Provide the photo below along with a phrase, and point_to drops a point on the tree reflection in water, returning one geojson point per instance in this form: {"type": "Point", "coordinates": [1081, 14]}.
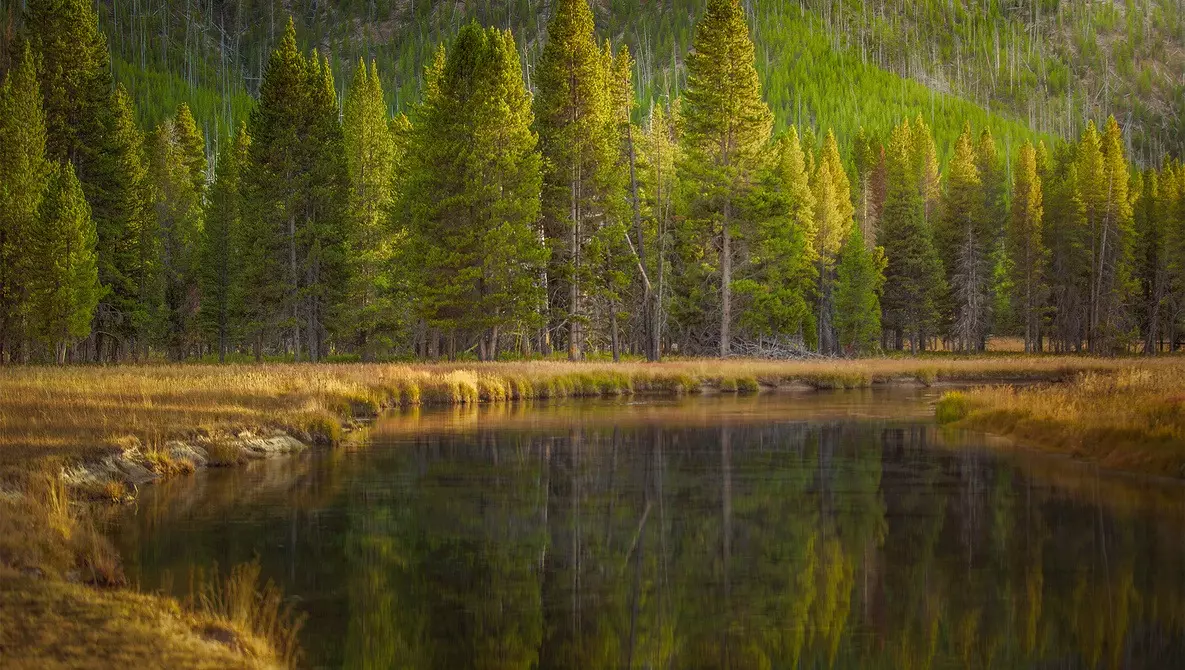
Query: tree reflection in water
{"type": "Point", "coordinates": [772, 536]}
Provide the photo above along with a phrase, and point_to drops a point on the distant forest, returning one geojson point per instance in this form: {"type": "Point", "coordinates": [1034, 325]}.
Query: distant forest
{"type": "Point", "coordinates": [516, 179]}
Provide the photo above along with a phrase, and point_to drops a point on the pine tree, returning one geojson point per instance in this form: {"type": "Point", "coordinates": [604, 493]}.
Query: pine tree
{"type": "Point", "coordinates": [297, 188]}
{"type": "Point", "coordinates": [129, 312]}
{"type": "Point", "coordinates": [24, 173]}
{"type": "Point", "coordinates": [1026, 244]}
{"type": "Point", "coordinates": [963, 248]}
{"type": "Point", "coordinates": [914, 281]}
{"type": "Point", "coordinates": [327, 224]}
{"type": "Point", "coordinates": [221, 254]}
{"type": "Point", "coordinates": [1114, 247]}
{"type": "Point", "coordinates": [178, 167]}
{"type": "Point", "coordinates": [859, 282]}
{"type": "Point", "coordinates": [66, 287]}
{"type": "Point", "coordinates": [1151, 262]}
{"type": "Point", "coordinates": [660, 155]}
{"type": "Point", "coordinates": [866, 157]}
{"type": "Point", "coordinates": [571, 109]}
{"type": "Point", "coordinates": [990, 232]}
{"type": "Point", "coordinates": [781, 273]}
{"type": "Point", "coordinates": [727, 129]}
{"type": "Point", "coordinates": [370, 158]}
{"type": "Point", "coordinates": [1068, 240]}
{"type": "Point", "coordinates": [76, 84]}
{"type": "Point", "coordinates": [474, 188]}
{"type": "Point", "coordinates": [833, 219]}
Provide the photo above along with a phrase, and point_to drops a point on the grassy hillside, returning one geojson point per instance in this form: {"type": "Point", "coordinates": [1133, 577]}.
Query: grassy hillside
{"type": "Point", "coordinates": [1021, 67]}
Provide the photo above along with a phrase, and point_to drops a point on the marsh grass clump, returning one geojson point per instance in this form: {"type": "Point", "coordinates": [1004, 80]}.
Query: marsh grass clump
{"type": "Point", "coordinates": [1132, 418]}
{"type": "Point", "coordinates": [953, 406]}
{"type": "Point", "coordinates": [225, 453]}
{"type": "Point", "coordinates": [243, 607]}
{"type": "Point", "coordinates": [747, 385]}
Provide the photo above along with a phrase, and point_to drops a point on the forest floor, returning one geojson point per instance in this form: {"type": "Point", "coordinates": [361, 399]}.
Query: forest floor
{"type": "Point", "coordinates": [75, 438]}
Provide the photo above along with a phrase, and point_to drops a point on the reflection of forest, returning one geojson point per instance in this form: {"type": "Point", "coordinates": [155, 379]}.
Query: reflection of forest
{"type": "Point", "coordinates": [761, 545]}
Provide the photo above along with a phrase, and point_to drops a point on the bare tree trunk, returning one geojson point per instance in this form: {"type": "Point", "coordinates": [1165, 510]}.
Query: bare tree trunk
{"type": "Point", "coordinates": [726, 282]}
{"type": "Point", "coordinates": [295, 287]}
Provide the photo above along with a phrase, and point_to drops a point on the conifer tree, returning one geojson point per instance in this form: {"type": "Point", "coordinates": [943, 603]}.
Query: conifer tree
{"type": "Point", "coordinates": [221, 254]}
{"type": "Point", "coordinates": [833, 219]}
{"type": "Point", "coordinates": [1151, 262]}
{"type": "Point", "coordinates": [571, 116]}
{"type": "Point", "coordinates": [914, 281]}
{"type": "Point", "coordinates": [128, 247]}
{"type": "Point", "coordinates": [660, 156]}
{"type": "Point", "coordinates": [727, 127]}
{"type": "Point", "coordinates": [781, 271]}
{"type": "Point", "coordinates": [75, 76]}
{"type": "Point", "coordinates": [66, 286]}
{"type": "Point", "coordinates": [991, 234]}
{"type": "Point", "coordinates": [1068, 240]}
{"type": "Point", "coordinates": [859, 282]}
{"type": "Point", "coordinates": [964, 247]}
{"type": "Point", "coordinates": [297, 199]}
{"type": "Point", "coordinates": [868, 199]}
{"type": "Point", "coordinates": [925, 165]}
{"type": "Point", "coordinates": [474, 188]}
{"type": "Point", "coordinates": [370, 158]}
{"type": "Point", "coordinates": [1026, 244]}
{"type": "Point", "coordinates": [178, 167]}
{"type": "Point", "coordinates": [1114, 244]}
{"type": "Point", "coordinates": [24, 173]}
{"type": "Point", "coordinates": [327, 224]}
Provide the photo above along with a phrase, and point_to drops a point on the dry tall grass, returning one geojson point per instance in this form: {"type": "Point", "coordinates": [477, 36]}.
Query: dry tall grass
{"type": "Point", "coordinates": [1132, 418]}
{"type": "Point", "coordinates": [82, 412]}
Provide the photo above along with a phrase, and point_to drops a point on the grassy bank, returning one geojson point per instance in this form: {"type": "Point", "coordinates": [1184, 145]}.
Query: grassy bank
{"type": "Point", "coordinates": [60, 601]}
{"type": "Point", "coordinates": [63, 415]}
{"type": "Point", "coordinates": [1130, 419]}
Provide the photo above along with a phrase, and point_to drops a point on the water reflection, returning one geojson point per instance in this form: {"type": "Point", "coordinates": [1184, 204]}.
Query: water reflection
{"type": "Point", "coordinates": [709, 534]}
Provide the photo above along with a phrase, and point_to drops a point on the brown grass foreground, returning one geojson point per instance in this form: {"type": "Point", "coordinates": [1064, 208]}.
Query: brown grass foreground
{"type": "Point", "coordinates": [1132, 418]}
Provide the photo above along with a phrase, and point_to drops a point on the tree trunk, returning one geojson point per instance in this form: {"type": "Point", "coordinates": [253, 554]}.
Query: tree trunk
{"type": "Point", "coordinates": [726, 282]}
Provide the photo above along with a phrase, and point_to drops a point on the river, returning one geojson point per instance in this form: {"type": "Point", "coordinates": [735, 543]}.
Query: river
{"type": "Point", "coordinates": [812, 529]}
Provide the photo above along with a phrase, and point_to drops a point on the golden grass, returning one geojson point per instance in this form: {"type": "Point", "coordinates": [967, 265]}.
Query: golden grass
{"type": "Point", "coordinates": [52, 624]}
{"type": "Point", "coordinates": [1132, 418]}
{"type": "Point", "coordinates": [76, 413]}
{"type": "Point", "coordinates": [57, 609]}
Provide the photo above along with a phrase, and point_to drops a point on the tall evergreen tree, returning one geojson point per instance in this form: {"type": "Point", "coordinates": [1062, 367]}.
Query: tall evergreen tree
{"type": "Point", "coordinates": [833, 222]}
{"type": "Point", "coordinates": [914, 281]}
{"type": "Point", "coordinates": [727, 127]}
{"type": "Point", "coordinates": [964, 247]}
{"type": "Point", "coordinates": [1068, 240]}
{"type": "Point", "coordinates": [571, 117]}
{"type": "Point", "coordinates": [370, 158]}
{"type": "Point", "coordinates": [1026, 244]}
{"type": "Point", "coordinates": [859, 282]}
{"type": "Point", "coordinates": [776, 285]}
{"type": "Point", "coordinates": [178, 168]}
{"type": "Point", "coordinates": [66, 286]}
{"type": "Point", "coordinates": [221, 254]}
{"type": "Point", "coordinates": [129, 311]}
{"type": "Point", "coordinates": [24, 172]}
{"type": "Point", "coordinates": [475, 181]}
{"type": "Point", "coordinates": [1151, 262]}
{"type": "Point", "coordinates": [660, 154]}
{"type": "Point", "coordinates": [73, 67]}
{"type": "Point", "coordinates": [296, 202]}
{"type": "Point", "coordinates": [1110, 217]}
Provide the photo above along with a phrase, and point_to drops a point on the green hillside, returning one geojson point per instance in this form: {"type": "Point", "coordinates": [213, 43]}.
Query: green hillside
{"type": "Point", "coordinates": [1007, 64]}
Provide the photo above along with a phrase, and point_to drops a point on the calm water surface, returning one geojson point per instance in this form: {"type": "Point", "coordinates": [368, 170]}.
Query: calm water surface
{"type": "Point", "coordinates": [808, 530]}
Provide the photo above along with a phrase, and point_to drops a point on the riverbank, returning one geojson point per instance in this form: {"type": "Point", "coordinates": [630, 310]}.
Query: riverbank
{"type": "Point", "coordinates": [155, 415]}
{"type": "Point", "coordinates": [76, 436]}
{"type": "Point", "coordinates": [1130, 419]}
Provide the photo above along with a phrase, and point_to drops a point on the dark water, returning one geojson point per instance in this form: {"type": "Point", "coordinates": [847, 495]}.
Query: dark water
{"type": "Point", "coordinates": [818, 530]}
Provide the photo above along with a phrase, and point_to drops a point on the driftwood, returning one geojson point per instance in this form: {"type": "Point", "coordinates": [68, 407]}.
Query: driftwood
{"type": "Point", "coordinates": [775, 349]}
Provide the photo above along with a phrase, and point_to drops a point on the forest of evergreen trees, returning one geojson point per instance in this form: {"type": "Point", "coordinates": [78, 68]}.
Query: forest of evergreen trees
{"type": "Point", "coordinates": [497, 218]}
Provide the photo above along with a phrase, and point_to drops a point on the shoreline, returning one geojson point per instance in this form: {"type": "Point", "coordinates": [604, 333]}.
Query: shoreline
{"type": "Point", "coordinates": [270, 411]}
